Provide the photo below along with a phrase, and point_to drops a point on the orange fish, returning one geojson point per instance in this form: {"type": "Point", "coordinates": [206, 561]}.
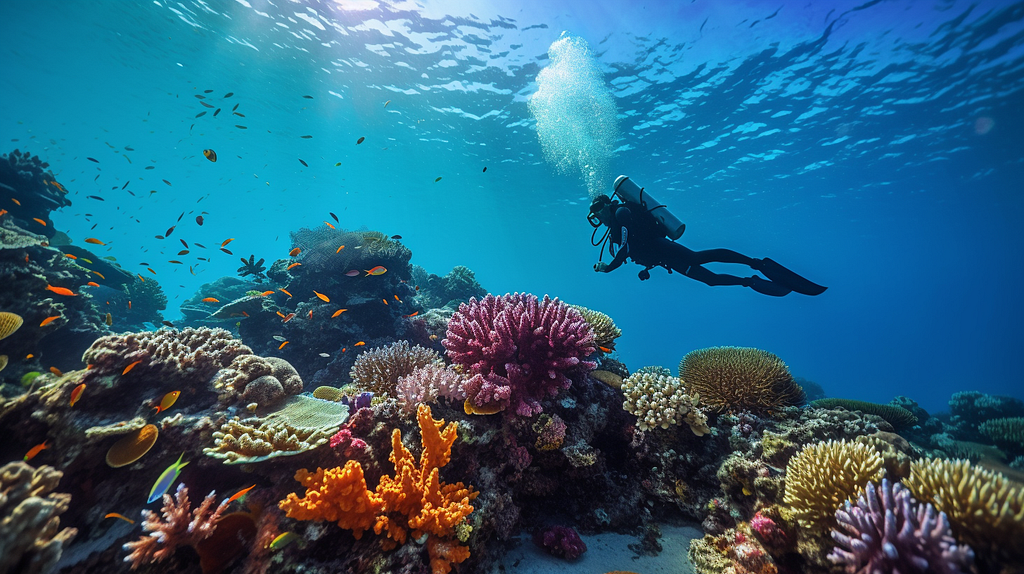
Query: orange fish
{"type": "Point", "coordinates": [100, 275]}
{"type": "Point", "coordinates": [397, 299]}
{"type": "Point", "coordinates": [16, 201]}
{"type": "Point", "coordinates": [280, 314]}
{"type": "Point", "coordinates": [322, 297]}
{"type": "Point", "coordinates": [265, 293]}
{"type": "Point", "coordinates": [32, 452]}
{"type": "Point", "coordinates": [129, 304]}
{"type": "Point", "coordinates": [39, 221]}
{"type": "Point", "coordinates": [210, 300]}
{"type": "Point", "coordinates": [141, 278]}
{"type": "Point", "coordinates": [285, 292]}
{"type": "Point", "coordinates": [604, 349]}
{"type": "Point", "coordinates": [226, 241]}
{"type": "Point", "coordinates": [359, 344]}
{"type": "Point", "coordinates": [77, 393]}
{"type": "Point", "coordinates": [29, 356]}
{"type": "Point", "coordinates": [310, 313]}
{"type": "Point", "coordinates": [166, 402]}
{"type": "Point", "coordinates": [93, 284]}
{"type": "Point", "coordinates": [290, 267]}
{"type": "Point", "coordinates": [130, 367]}
{"type": "Point", "coordinates": [413, 314]}
{"type": "Point", "coordinates": [70, 256]}
{"type": "Point", "coordinates": [282, 345]}
{"type": "Point", "coordinates": [56, 371]}
{"type": "Point", "coordinates": [151, 270]}
{"type": "Point", "coordinates": [245, 314]}
{"type": "Point", "coordinates": [338, 312]}
{"type": "Point", "coordinates": [122, 517]}
{"type": "Point", "coordinates": [339, 249]}
{"type": "Point", "coordinates": [328, 225]}
{"type": "Point", "coordinates": [94, 241]}
{"type": "Point", "coordinates": [343, 349]}
{"type": "Point", "coordinates": [3, 212]}
{"type": "Point", "coordinates": [294, 252]}
{"type": "Point", "coordinates": [378, 270]}
{"type": "Point", "coordinates": [240, 494]}
{"type": "Point", "coordinates": [61, 291]}
{"type": "Point", "coordinates": [288, 317]}
{"type": "Point", "coordinates": [49, 320]}
{"type": "Point", "coordinates": [385, 301]}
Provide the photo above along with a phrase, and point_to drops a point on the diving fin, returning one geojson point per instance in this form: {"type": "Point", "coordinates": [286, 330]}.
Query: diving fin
{"type": "Point", "coordinates": [779, 274]}
{"type": "Point", "coordinates": [766, 287]}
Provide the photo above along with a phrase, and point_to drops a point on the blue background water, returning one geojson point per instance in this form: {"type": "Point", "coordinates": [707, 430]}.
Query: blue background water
{"type": "Point", "coordinates": [874, 147]}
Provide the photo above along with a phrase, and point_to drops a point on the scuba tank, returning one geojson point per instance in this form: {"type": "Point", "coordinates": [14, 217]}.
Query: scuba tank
{"type": "Point", "coordinates": [668, 224]}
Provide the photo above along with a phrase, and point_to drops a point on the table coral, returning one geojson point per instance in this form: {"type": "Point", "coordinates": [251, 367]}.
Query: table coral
{"type": "Point", "coordinates": [735, 379]}
{"type": "Point", "coordinates": [412, 502]}
{"type": "Point", "coordinates": [31, 540]}
{"type": "Point", "coordinates": [519, 349]}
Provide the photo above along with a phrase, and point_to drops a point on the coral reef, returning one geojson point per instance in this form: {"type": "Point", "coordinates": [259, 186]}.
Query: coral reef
{"type": "Point", "coordinates": [428, 383]}
{"type": "Point", "coordinates": [605, 331]}
{"type": "Point", "coordinates": [26, 178]}
{"type": "Point", "coordinates": [736, 379]}
{"type": "Point", "coordinates": [31, 540]}
{"type": "Point", "coordinates": [821, 476]}
{"type": "Point", "coordinates": [560, 541]}
{"type": "Point", "coordinates": [1007, 432]}
{"type": "Point", "coordinates": [263, 381]}
{"type": "Point", "coordinates": [885, 530]}
{"type": "Point", "coordinates": [455, 288]}
{"type": "Point", "coordinates": [659, 401]}
{"type": "Point", "coordinates": [254, 268]}
{"type": "Point", "coordinates": [180, 526]}
{"type": "Point", "coordinates": [379, 370]}
{"type": "Point", "coordinates": [898, 417]}
{"type": "Point", "coordinates": [519, 350]}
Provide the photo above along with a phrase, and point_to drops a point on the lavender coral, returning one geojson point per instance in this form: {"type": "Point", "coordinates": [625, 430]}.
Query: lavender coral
{"type": "Point", "coordinates": [425, 384]}
{"type": "Point", "coordinates": [886, 530]}
{"type": "Point", "coordinates": [181, 526]}
{"type": "Point", "coordinates": [519, 350]}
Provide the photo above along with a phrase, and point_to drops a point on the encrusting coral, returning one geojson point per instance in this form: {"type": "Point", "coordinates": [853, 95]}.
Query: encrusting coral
{"type": "Point", "coordinates": [824, 475]}
{"type": "Point", "coordinates": [896, 416]}
{"type": "Point", "coordinates": [412, 502]}
{"type": "Point", "coordinates": [181, 526]}
{"type": "Point", "coordinates": [985, 509]}
{"type": "Point", "coordinates": [660, 401]}
{"type": "Point", "coordinates": [378, 370]}
{"type": "Point", "coordinates": [885, 530]}
{"type": "Point", "coordinates": [31, 540]}
{"type": "Point", "coordinates": [736, 379]}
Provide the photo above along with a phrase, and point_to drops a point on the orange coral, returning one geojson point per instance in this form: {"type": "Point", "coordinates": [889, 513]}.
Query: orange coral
{"type": "Point", "coordinates": [413, 499]}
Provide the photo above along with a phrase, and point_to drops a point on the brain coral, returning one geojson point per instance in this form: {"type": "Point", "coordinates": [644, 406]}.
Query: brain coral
{"type": "Point", "coordinates": [661, 401]}
{"type": "Point", "coordinates": [824, 475]}
{"type": "Point", "coordinates": [378, 370]}
{"type": "Point", "coordinates": [985, 509]}
{"type": "Point", "coordinates": [894, 415]}
{"type": "Point", "coordinates": [735, 379]}
{"type": "Point", "coordinates": [519, 349]}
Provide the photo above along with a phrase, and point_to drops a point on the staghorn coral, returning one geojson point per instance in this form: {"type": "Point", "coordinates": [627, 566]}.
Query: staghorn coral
{"type": "Point", "coordinates": [425, 384]}
{"type": "Point", "coordinates": [821, 476]}
{"type": "Point", "coordinates": [1006, 431]}
{"type": "Point", "coordinates": [378, 370]}
{"type": "Point", "coordinates": [413, 501]}
{"type": "Point", "coordinates": [31, 540]}
{"type": "Point", "coordinates": [985, 510]}
{"type": "Point", "coordinates": [301, 424]}
{"type": "Point", "coordinates": [260, 380]}
{"type": "Point", "coordinates": [605, 331]}
{"type": "Point", "coordinates": [181, 526]}
{"type": "Point", "coordinates": [518, 349]}
{"type": "Point", "coordinates": [898, 417]}
{"type": "Point", "coordinates": [735, 379]}
{"type": "Point", "coordinates": [661, 401]}
{"type": "Point", "coordinates": [885, 530]}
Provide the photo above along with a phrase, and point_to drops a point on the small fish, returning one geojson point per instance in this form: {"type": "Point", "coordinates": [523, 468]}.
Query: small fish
{"type": "Point", "coordinates": [279, 338]}
{"type": "Point", "coordinates": [70, 256]}
{"type": "Point", "coordinates": [130, 367]}
{"type": "Point", "coordinates": [360, 140]}
{"type": "Point", "coordinates": [352, 273]}
{"type": "Point", "coordinates": [16, 202]}
{"type": "Point", "coordinates": [210, 300]}
{"type": "Point", "coordinates": [141, 278]}
{"type": "Point", "coordinates": [100, 275]}
{"type": "Point", "coordinates": [215, 112]}
{"type": "Point", "coordinates": [199, 221]}
{"type": "Point", "coordinates": [167, 402]}
{"type": "Point", "coordinates": [93, 160]}
{"type": "Point", "coordinates": [86, 260]}
{"type": "Point", "coordinates": [165, 481]}
{"type": "Point", "coordinates": [280, 314]}
{"type": "Point", "coordinates": [282, 345]}
{"type": "Point", "coordinates": [95, 197]}
{"type": "Point", "coordinates": [604, 349]}
{"type": "Point", "coordinates": [338, 312]}
{"type": "Point", "coordinates": [210, 155]}
{"type": "Point", "coordinates": [285, 292]}
{"type": "Point", "coordinates": [386, 103]}
{"type": "Point", "coordinates": [396, 237]}
{"type": "Point", "coordinates": [94, 241]}
{"type": "Point", "coordinates": [385, 301]}
{"type": "Point", "coordinates": [265, 293]}
{"type": "Point", "coordinates": [437, 180]}
{"type": "Point", "coordinates": [200, 114]}
{"type": "Point", "coordinates": [310, 314]}
{"type": "Point", "coordinates": [93, 284]}
{"type": "Point", "coordinates": [339, 249]}
{"type": "Point", "coordinates": [167, 323]}
{"type": "Point", "coordinates": [235, 108]}
{"type": "Point", "coordinates": [239, 114]}
{"type": "Point", "coordinates": [122, 517]}
{"type": "Point", "coordinates": [306, 137]}
{"type": "Point", "coordinates": [328, 224]}
{"type": "Point", "coordinates": [295, 252]}
{"type": "Point", "coordinates": [337, 164]}
{"type": "Point", "coordinates": [433, 337]}
{"type": "Point", "coordinates": [359, 344]}
{"type": "Point", "coordinates": [183, 252]}
{"type": "Point", "coordinates": [39, 221]}
{"type": "Point", "coordinates": [304, 164]}
{"type": "Point", "coordinates": [165, 181]}
{"type": "Point", "coordinates": [207, 105]}
{"type": "Point", "coordinates": [308, 97]}
{"type": "Point", "coordinates": [485, 169]}
{"type": "Point", "coordinates": [334, 217]}
{"type": "Point", "coordinates": [32, 452]}
{"type": "Point", "coordinates": [324, 355]}
{"type": "Point", "coordinates": [322, 297]}
{"type": "Point", "coordinates": [49, 320]}
{"type": "Point", "coordinates": [378, 270]}
{"type": "Point", "coordinates": [61, 291]}
{"type": "Point", "coordinates": [109, 320]}
{"type": "Point", "coordinates": [229, 94]}
{"type": "Point", "coordinates": [293, 265]}
{"type": "Point", "coordinates": [288, 317]}
{"type": "Point", "coordinates": [283, 540]}
{"type": "Point", "coordinates": [226, 241]}
{"type": "Point", "coordinates": [240, 494]}
{"type": "Point", "coordinates": [413, 314]}
{"type": "Point", "coordinates": [150, 167]}
{"type": "Point", "coordinates": [241, 127]}
{"type": "Point", "coordinates": [58, 372]}
{"type": "Point", "coordinates": [75, 394]}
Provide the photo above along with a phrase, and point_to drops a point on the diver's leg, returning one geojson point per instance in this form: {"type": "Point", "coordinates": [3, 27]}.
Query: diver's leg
{"type": "Point", "coordinates": [721, 256]}
{"type": "Point", "coordinates": [762, 286]}
{"type": "Point", "coordinates": [779, 274]}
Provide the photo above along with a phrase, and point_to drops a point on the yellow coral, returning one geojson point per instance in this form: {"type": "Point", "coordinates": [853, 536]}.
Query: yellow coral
{"type": "Point", "coordinates": [735, 379]}
{"type": "Point", "coordinates": [824, 475]}
{"type": "Point", "coordinates": [985, 510]}
{"type": "Point", "coordinates": [605, 331]}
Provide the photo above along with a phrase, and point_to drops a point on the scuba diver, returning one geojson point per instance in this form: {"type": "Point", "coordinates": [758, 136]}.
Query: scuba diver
{"type": "Point", "coordinates": [645, 231]}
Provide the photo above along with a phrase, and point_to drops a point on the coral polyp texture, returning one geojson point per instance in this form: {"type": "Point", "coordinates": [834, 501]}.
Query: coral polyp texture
{"type": "Point", "coordinates": [896, 416]}
{"type": "Point", "coordinates": [660, 401]}
{"type": "Point", "coordinates": [519, 350]}
{"type": "Point", "coordinates": [824, 475]}
{"type": "Point", "coordinates": [886, 530]}
{"type": "Point", "coordinates": [378, 370]}
{"type": "Point", "coordinates": [180, 526]}
{"type": "Point", "coordinates": [985, 509]}
{"type": "Point", "coordinates": [31, 540]}
{"type": "Point", "coordinates": [737, 379]}
{"type": "Point", "coordinates": [260, 380]}
{"type": "Point", "coordinates": [1005, 431]}
{"type": "Point", "coordinates": [428, 383]}
{"type": "Point", "coordinates": [605, 331]}
{"type": "Point", "coordinates": [414, 502]}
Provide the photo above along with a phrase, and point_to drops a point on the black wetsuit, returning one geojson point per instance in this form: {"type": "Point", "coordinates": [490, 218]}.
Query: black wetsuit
{"type": "Point", "coordinates": [646, 245]}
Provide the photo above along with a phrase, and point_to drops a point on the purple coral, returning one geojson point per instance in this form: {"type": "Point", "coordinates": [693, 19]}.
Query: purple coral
{"type": "Point", "coordinates": [888, 531]}
{"type": "Point", "coordinates": [181, 526]}
{"type": "Point", "coordinates": [560, 541]}
{"type": "Point", "coordinates": [518, 349]}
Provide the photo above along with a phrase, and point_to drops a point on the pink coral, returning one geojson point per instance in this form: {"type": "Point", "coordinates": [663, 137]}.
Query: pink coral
{"type": "Point", "coordinates": [519, 349]}
{"type": "Point", "coordinates": [425, 384]}
{"type": "Point", "coordinates": [768, 531]}
{"type": "Point", "coordinates": [181, 526]}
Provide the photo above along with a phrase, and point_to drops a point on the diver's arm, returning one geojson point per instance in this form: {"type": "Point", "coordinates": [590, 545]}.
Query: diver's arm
{"type": "Point", "coordinates": [620, 258]}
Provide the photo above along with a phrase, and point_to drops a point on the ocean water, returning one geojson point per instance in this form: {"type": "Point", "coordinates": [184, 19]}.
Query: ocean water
{"type": "Point", "coordinates": [874, 147]}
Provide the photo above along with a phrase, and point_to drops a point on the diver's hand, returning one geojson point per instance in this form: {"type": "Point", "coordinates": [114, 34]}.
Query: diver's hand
{"type": "Point", "coordinates": [601, 267]}
{"type": "Point", "coordinates": [644, 275]}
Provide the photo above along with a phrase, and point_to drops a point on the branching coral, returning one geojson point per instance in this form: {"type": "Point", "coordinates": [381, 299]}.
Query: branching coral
{"type": "Point", "coordinates": [519, 350]}
{"type": "Point", "coordinates": [412, 502]}
{"type": "Point", "coordinates": [31, 540]}
{"type": "Point", "coordinates": [605, 331]}
{"type": "Point", "coordinates": [985, 509]}
{"type": "Point", "coordinates": [886, 530]}
{"type": "Point", "coordinates": [822, 476]}
{"type": "Point", "coordinates": [180, 526]}
{"type": "Point", "coordinates": [735, 379]}
{"type": "Point", "coordinates": [661, 401]}
{"type": "Point", "coordinates": [896, 416]}
{"type": "Point", "coordinates": [378, 370]}
{"type": "Point", "coordinates": [1007, 431]}
{"type": "Point", "coordinates": [425, 384]}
